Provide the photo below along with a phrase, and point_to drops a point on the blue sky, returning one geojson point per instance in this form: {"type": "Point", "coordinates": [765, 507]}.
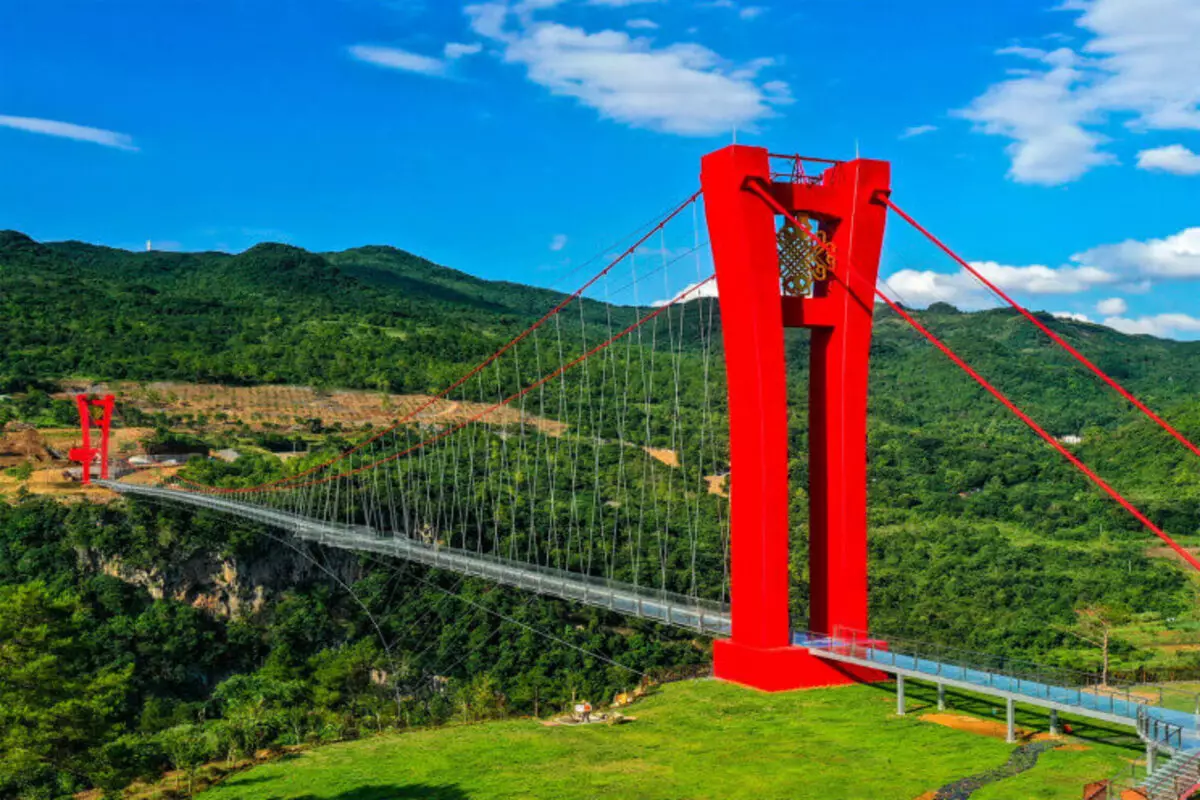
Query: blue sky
{"type": "Point", "coordinates": [1054, 144]}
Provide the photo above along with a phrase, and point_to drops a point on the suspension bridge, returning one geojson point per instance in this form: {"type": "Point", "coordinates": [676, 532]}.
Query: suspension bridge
{"type": "Point", "coordinates": [628, 450]}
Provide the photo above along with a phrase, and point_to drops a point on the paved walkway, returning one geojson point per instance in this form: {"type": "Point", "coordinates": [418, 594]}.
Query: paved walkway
{"type": "Point", "coordinates": [1087, 702]}
{"type": "Point", "coordinates": [1022, 759]}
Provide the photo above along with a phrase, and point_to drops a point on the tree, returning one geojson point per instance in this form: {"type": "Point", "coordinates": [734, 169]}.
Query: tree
{"type": "Point", "coordinates": [480, 699]}
{"type": "Point", "coordinates": [1094, 625]}
{"type": "Point", "coordinates": [54, 708]}
{"type": "Point", "coordinates": [123, 760]}
{"type": "Point", "coordinates": [187, 747]}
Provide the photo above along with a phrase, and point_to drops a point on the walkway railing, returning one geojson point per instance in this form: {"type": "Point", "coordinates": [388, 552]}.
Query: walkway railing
{"type": "Point", "coordinates": [1177, 780]}
{"type": "Point", "coordinates": [1053, 686]}
{"type": "Point", "coordinates": [1161, 732]}
{"type": "Point", "coordinates": [670, 608]}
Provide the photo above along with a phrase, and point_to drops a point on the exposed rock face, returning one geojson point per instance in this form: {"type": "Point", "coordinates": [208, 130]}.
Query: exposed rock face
{"type": "Point", "coordinates": [232, 588]}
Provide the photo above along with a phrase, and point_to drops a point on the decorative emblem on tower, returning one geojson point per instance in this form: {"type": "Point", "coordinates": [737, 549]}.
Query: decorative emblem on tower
{"type": "Point", "coordinates": [802, 262]}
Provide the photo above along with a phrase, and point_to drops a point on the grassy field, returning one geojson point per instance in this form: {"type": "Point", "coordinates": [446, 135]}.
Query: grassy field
{"type": "Point", "coordinates": [698, 739]}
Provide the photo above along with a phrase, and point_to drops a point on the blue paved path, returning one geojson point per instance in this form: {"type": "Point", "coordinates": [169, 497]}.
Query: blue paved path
{"type": "Point", "coordinates": [1087, 702]}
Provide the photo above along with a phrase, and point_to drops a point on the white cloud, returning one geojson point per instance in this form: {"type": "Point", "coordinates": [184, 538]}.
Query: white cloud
{"type": "Point", "coordinates": [67, 130]}
{"type": "Point", "coordinates": [394, 58]}
{"type": "Point", "coordinates": [642, 25]}
{"type": "Point", "coordinates": [917, 130]}
{"type": "Point", "coordinates": [1174, 158]}
{"type": "Point", "coordinates": [684, 89]}
{"type": "Point", "coordinates": [1132, 267]}
{"type": "Point", "coordinates": [707, 290]}
{"type": "Point", "coordinates": [748, 12]}
{"type": "Point", "coordinates": [1042, 113]}
{"type": "Point", "coordinates": [454, 50]}
{"type": "Point", "coordinates": [919, 288]}
{"type": "Point", "coordinates": [1038, 279]}
{"type": "Point", "coordinates": [487, 19]}
{"type": "Point", "coordinates": [1164, 326]}
{"type": "Point", "coordinates": [1140, 63]}
{"type": "Point", "coordinates": [558, 242]}
{"type": "Point", "coordinates": [407, 61]}
{"type": "Point", "coordinates": [1071, 315]}
{"type": "Point", "coordinates": [1175, 257]}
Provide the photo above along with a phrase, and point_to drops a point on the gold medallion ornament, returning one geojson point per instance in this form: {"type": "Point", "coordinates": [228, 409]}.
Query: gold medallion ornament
{"type": "Point", "coordinates": [802, 261]}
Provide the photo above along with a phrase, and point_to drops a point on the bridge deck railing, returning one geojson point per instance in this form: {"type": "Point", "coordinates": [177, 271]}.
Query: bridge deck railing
{"type": "Point", "coordinates": [660, 605]}
{"type": "Point", "coordinates": [1055, 685]}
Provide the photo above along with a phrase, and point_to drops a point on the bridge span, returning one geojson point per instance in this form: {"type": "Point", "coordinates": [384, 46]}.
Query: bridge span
{"type": "Point", "coordinates": [669, 608]}
{"type": "Point", "coordinates": [569, 434]}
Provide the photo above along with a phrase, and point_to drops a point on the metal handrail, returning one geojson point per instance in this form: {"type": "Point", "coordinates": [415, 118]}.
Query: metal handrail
{"type": "Point", "coordinates": [1173, 781]}
{"type": "Point", "coordinates": [1158, 731]}
{"type": "Point", "coordinates": [1019, 669]}
{"type": "Point", "coordinates": [1064, 688]}
{"type": "Point", "coordinates": [705, 616]}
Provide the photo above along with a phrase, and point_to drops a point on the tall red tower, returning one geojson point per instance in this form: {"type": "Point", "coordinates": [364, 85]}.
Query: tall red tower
{"type": "Point", "coordinates": [756, 305]}
{"type": "Point", "coordinates": [87, 455]}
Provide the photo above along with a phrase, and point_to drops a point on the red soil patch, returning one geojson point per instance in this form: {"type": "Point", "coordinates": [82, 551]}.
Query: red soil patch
{"type": "Point", "coordinates": [282, 406]}
{"type": "Point", "coordinates": [717, 485]}
{"type": "Point", "coordinates": [1168, 553]}
{"type": "Point", "coordinates": [982, 727]}
{"type": "Point", "coordinates": [668, 457]}
{"type": "Point", "coordinates": [996, 730]}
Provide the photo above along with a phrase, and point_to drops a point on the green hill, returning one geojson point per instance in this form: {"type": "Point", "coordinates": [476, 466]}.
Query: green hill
{"type": "Point", "coordinates": [981, 537]}
{"type": "Point", "coordinates": [691, 740]}
{"type": "Point", "coordinates": [372, 317]}
{"type": "Point", "coordinates": [1017, 536]}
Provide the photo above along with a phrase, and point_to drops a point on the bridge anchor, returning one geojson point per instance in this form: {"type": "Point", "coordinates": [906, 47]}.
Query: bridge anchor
{"type": "Point", "coordinates": [780, 669]}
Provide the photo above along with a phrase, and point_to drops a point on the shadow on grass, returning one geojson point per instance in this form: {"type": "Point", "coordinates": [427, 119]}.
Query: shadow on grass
{"type": "Point", "coordinates": [922, 697]}
{"type": "Point", "coordinates": [253, 779]}
{"type": "Point", "coordinates": [413, 791]}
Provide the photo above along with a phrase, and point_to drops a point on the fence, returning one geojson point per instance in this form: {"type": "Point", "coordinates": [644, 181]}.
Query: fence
{"type": "Point", "coordinates": [1057, 685]}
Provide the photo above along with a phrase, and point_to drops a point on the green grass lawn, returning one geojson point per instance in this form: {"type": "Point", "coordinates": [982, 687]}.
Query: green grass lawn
{"type": "Point", "coordinates": [698, 739]}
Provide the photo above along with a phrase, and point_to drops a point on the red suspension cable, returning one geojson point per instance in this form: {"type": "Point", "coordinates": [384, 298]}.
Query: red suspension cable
{"type": "Point", "coordinates": [477, 369]}
{"type": "Point", "coordinates": [1040, 431]}
{"type": "Point", "coordinates": [1080, 357]}
{"type": "Point", "coordinates": [679, 298]}
{"type": "Point", "coordinates": [999, 395]}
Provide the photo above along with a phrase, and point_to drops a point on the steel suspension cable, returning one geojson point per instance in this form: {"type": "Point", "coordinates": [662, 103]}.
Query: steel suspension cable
{"type": "Point", "coordinates": [1038, 429]}
{"type": "Point", "coordinates": [576, 295]}
{"type": "Point", "coordinates": [450, 429]}
{"type": "Point", "coordinates": [1064, 344]}
{"type": "Point", "coordinates": [946, 350]}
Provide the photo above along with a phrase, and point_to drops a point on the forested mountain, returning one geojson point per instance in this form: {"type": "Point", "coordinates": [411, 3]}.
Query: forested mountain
{"type": "Point", "coordinates": [372, 317]}
{"type": "Point", "coordinates": [381, 318]}
{"type": "Point", "coordinates": [980, 535]}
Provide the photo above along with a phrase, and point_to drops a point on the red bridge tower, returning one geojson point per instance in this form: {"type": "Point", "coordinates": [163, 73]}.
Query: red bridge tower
{"type": "Point", "coordinates": [87, 455]}
{"type": "Point", "coordinates": [756, 306]}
